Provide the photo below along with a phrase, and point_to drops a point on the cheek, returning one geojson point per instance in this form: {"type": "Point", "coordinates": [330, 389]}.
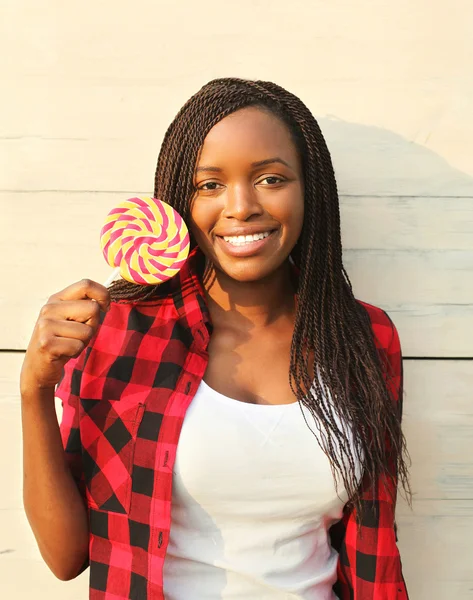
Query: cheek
{"type": "Point", "coordinates": [202, 220]}
{"type": "Point", "coordinates": [199, 218]}
{"type": "Point", "coordinates": [292, 215]}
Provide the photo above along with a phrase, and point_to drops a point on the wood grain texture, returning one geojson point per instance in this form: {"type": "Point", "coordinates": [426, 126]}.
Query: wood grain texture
{"type": "Point", "coordinates": [438, 422]}
{"type": "Point", "coordinates": [412, 257]}
{"type": "Point", "coordinates": [90, 91]}
{"type": "Point", "coordinates": [367, 160]}
{"type": "Point", "coordinates": [435, 546]}
{"type": "Point", "coordinates": [98, 87]}
{"type": "Point", "coordinates": [434, 537]}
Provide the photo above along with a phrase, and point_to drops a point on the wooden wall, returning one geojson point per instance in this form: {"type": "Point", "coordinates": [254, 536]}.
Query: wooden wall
{"type": "Point", "coordinates": [88, 91]}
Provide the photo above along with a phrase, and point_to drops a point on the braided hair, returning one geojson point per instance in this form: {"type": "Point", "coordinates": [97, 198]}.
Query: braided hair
{"type": "Point", "coordinates": [332, 329]}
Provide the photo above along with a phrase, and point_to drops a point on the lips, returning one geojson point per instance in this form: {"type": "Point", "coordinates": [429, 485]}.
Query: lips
{"type": "Point", "coordinates": [247, 229]}
{"type": "Point", "coordinates": [246, 239]}
{"type": "Point", "coordinates": [245, 245]}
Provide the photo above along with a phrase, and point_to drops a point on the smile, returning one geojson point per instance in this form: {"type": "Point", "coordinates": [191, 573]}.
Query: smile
{"type": "Point", "coordinates": [239, 240]}
{"type": "Point", "coordinates": [246, 245]}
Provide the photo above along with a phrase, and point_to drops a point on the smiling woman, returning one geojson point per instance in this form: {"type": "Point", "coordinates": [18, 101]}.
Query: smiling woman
{"type": "Point", "coordinates": [236, 431]}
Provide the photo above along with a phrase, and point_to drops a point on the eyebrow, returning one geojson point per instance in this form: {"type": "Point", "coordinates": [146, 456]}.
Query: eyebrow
{"type": "Point", "coordinates": [259, 163]}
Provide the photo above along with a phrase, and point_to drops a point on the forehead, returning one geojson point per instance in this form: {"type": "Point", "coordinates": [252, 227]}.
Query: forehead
{"type": "Point", "coordinates": [252, 133]}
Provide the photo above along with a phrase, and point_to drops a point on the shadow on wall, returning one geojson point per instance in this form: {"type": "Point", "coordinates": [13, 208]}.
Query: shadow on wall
{"type": "Point", "coordinates": [370, 161]}
{"type": "Point", "coordinates": [407, 235]}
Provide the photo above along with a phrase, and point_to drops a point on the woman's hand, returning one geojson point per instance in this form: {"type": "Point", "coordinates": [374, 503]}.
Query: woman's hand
{"type": "Point", "coordinates": [65, 326]}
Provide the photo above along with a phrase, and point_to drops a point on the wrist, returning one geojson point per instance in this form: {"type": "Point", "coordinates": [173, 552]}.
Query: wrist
{"type": "Point", "coordinates": [33, 390]}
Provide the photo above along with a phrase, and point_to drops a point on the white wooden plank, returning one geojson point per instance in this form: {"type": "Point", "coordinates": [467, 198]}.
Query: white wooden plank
{"type": "Point", "coordinates": [368, 160]}
{"type": "Point", "coordinates": [407, 223]}
{"type": "Point", "coordinates": [434, 538]}
{"type": "Point", "coordinates": [80, 164]}
{"type": "Point", "coordinates": [442, 330]}
{"type": "Point", "coordinates": [438, 423]}
{"type": "Point", "coordinates": [53, 240]}
{"type": "Point", "coordinates": [138, 38]}
{"type": "Point", "coordinates": [90, 94]}
{"type": "Point", "coordinates": [413, 257]}
{"type": "Point", "coordinates": [435, 546]}
{"type": "Point", "coordinates": [409, 276]}
{"type": "Point", "coordinates": [99, 104]}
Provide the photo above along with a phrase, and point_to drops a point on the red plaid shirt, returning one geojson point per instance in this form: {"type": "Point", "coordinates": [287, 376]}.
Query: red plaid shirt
{"type": "Point", "coordinates": [124, 401]}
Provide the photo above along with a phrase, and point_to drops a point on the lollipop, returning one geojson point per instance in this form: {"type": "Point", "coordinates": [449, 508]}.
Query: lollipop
{"type": "Point", "coordinates": [146, 240]}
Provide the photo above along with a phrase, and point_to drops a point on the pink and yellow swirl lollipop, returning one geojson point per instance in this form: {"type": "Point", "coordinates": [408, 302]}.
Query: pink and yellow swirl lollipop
{"type": "Point", "coordinates": [146, 240]}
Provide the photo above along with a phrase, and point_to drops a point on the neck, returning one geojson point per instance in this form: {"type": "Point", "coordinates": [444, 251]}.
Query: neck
{"type": "Point", "coordinates": [255, 303]}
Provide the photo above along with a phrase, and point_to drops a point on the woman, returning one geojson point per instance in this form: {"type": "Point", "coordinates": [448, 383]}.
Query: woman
{"type": "Point", "coordinates": [236, 432]}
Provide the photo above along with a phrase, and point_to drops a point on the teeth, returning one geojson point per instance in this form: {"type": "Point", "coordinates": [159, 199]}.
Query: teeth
{"type": "Point", "coordinates": [238, 240]}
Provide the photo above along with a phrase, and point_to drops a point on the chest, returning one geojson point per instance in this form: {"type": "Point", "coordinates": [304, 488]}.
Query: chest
{"type": "Point", "coordinates": [251, 368]}
{"type": "Point", "coordinates": [257, 458]}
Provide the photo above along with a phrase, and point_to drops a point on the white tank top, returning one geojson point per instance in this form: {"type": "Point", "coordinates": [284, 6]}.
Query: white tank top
{"type": "Point", "coordinates": [253, 498]}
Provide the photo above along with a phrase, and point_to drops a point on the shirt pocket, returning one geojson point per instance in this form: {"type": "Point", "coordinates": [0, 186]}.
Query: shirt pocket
{"type": "Point", "coordinates": [108, 437]}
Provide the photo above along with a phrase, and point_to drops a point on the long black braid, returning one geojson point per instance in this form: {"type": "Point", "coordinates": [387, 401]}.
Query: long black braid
{"type": "Point", "coordinates": [332, 330]}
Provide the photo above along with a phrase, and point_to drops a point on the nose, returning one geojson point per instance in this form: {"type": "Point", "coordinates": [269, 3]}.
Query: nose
{"type": "Point", "coordinates": [241, 202]}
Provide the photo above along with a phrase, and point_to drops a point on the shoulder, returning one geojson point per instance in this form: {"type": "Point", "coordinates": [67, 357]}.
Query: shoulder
{"type": "Point", "coordinates": [384, 330]}
{"type": "Point", "coordinates": [388, 346]}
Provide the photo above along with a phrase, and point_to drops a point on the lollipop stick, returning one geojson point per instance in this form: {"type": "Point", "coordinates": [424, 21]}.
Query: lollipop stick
{"type": "Point", "coordinates": [112, 277]}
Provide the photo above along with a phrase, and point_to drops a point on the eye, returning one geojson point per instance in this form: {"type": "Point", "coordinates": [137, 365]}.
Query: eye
{"type": "Point", "coordinates": [271, 180]}
{"type": "Point", "coordinates": [209, 186]}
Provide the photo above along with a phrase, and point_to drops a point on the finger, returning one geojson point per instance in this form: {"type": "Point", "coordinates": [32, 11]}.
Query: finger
{"type": "Point", "coordinates": [57, 348]}
{"type": "Point", "coordinates": [85, 289]}
{"type": "Point", "coordinates": [82, 311]}
{"type": "Point", "coordinates": [67, 329]}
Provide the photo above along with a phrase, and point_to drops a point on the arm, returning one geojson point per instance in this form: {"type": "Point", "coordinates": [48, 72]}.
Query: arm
{"type": "Point", "coordinates": [51, 455]}
{"type": "Point", "coordinates": [54, 507]}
